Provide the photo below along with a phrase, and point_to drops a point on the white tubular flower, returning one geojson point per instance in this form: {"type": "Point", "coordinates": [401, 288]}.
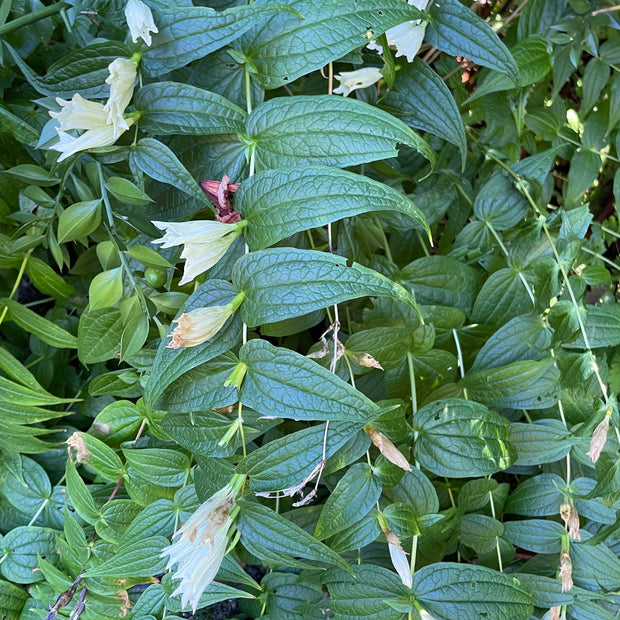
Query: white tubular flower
{"type": "Point", "coordinates": [79, 113]}
{"type": "Point", "coordinates": [407, 37]}
{"type": "Point", "coordinates": [121, 80]}
{"type": "Point", "coordinates": [201, 547]}
{"type": "Point", "coordinates": [198, 326]}
{"type": "Point", "coordinates": [352, 80]}
{"type": "Point", "coordinates": [91, 139]}
{"type": "Point", "coordinates": [205, 243]}
{"type": "Point", "coordinates": [140, 21]}
{"type": "Point", "coordinates": [399, 558]}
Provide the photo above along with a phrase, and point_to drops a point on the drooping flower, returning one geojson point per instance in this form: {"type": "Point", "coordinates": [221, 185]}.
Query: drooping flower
{"type": "Point", "coordinates": [140, 21]}
{"type": "Point", "coordinates": [201, 545]}
{"type": "Point", "coordinates": [388, 449]}
{"type": "Point", "coordinates": [566, 570]}
{"type": "Point", "coordinates": [121, 80]}
{"type": "Point", "coordinates": [352, 80]}
{"type": "Point", "coordinates": [220, 193]}
{"type": "Point", "coordinates": [570, 516]}
{"type": "Point", "coordinates": [406, 37]}
{"type": "Point", "coordinates": [399, 558]}
{"type": "Point", "coordinates": [198, 326]}
{"type": "Point", "coordinates": [205, 243]}
{"type": "Point", "coordinates": [599, 438]}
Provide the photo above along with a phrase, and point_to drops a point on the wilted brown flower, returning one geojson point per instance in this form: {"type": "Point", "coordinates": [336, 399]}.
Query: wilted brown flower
{"type": "Point", "coordinates": [82, 453]}
{"type": "Point", "coordinates": [388, 449]}
{"type": "Point", "coordinates": [368, 361]}
{"type": "Point", "coordinates": [570, 516]}
{"type": "Point", "coordinates": [554, 613]}
{"type": "Point", "coordinates": [566, 570]}
{"type": "Point", "coordinates": [219, 192]}
{"type": "Point", "coordinates": [599, 438]}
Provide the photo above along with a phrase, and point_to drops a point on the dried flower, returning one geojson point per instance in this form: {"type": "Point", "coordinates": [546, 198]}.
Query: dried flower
{"type": "Point", "coordinates": [200, 325]}
{"type": "Point", "coordinates": [566, 570]}
{"type": "Point", "coordinates": [205, 243]}
{"type": "Point", "coordinates": [82, 453]}
{"type": "Point", "coordinates": [388, 449]}
{"type": "Point", "coordinates": [407, 37]}
{"type": "Point", "coordinates": [219, 193]}
{"type": "Point", "coordinates": [399, 558]}
{"type": "Point", "coordinates": [570, 516]}
{"type": "Point", "coordinates": [122, 78]}
{"type": "Point", "coordinates": [368, 361]}
{"type": "Point", "coordinates": [599, 438]}
{"type": "Point", "coordinates": [140, 21]}
{"type": "Point", "coordinates": [352, 80]}
{"type": "Point", "coordinates": [201, 547]}
{"type": "Point", "coordinates": [555, 613]}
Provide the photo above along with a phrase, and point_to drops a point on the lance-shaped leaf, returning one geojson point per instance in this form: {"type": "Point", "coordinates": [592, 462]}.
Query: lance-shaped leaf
{"type": "Point", "coordinates": [139, 558]}
{"type": "Point", "coordinates": [286, 462]}
{"type": "Point", "coordinates": [189, 33]}
{"type": "Point", "coordinates": [282, 383]}
{"type": "Point", "coordinates": [274, 539]}
{"type": "Point", "coordinates": [287, 46]}
{"type": "Point", "coordinates": [449, 590]}
{"type": "Point", "coordinates": [173, 108]}
{"type": "Point", "coordinates": [462, 438]}
{"type": "Point", "coordinates": [421, 99]}
{"type": "Point", "coordinates": [282, 283]}
{"type": "Point", "coordinates": [328, 130]}
{"type": "Point", "coordinates": [169, 364]}
{"type": "Point", "coordinates": [83, 70]}
{"type": "Point", "coordinates": [279, 203]}
{"type": "Point", "coordinates": [457, 30]}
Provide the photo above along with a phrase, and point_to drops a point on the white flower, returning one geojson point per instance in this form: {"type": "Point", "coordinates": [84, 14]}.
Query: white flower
{"type": "Point", "coordinates": [140, 21]}
{"type": "Point", "coordinates": [205, 243]}
{"type": "Point", "coordinates": [201, 547]}
{"type": "Point", "coordinates": [121, 80]}
{"type": "Point", "coordinates": [399, 558]}
{"type": "Point", "coordinates": [407, 37]}
{"type": "Point", "coordinates": [79, 113]}
{"type": "Point", "coordinates": [352, 80]}
{"type": "Point", "coordinates": [198, 326]}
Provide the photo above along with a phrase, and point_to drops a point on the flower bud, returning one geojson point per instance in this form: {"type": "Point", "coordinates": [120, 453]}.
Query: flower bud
{"type": "Point", "coordinates": [352, 80]}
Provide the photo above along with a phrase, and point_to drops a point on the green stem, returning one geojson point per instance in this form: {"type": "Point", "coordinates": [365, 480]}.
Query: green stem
{"type": "Point", "coordinates": [33, 17]}
{"type": "Point", "coordinates": [414, 401]}
{"type": "Point", "coordinates": [20, 275]}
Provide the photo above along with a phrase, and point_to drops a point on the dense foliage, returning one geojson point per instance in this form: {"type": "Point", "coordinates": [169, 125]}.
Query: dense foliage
{"type": "Point", "coordinates": [391, 387]}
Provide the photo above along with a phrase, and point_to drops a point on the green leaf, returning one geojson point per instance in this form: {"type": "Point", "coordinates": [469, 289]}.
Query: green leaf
{"type": "Point", "coordinates": [602, 328]}
{"type": "Point", "coordinates": [188, 33]}
{"type": "Point", "coordinates": [520, 385]}
{"type": "Point", "coordinates": [595, 77]}
{"type": "Point", "coordinates": [442, 281]}
{"type": "Point", "coordinates": [282, 383]}
{"type": "Point", "coordinates": [99, 335]}
{"type": "Point", "coordinates": [30, 492]}
{"type": "Point", "coordinates": [17, 371]}
{"type": "Point", "coordinates": [290, 131]}
{"type": "Point", "coordinates": [480, 532]}
{"type": "Point", "coordinates": [522, 338]}
{"type": "Point", "coordinates": [286, 462]}
{"type": "Point", "coordinates": [125, 191]}
{"type": "Point", "coordinates": [139, 558]}
{"type": "Point", "coordinates": [116, 515]}
{"type": "Point", "coordinates": [148, 257]}
{"type": "Point", "coordinates": [12, 600]}
{"type": "Point", "coordinates": [536, 535]}
{"type": "Point", "coordinates": [543, 441]}
{"type": "Point", "coordinates": [499, 203]}
{"type": "Point", "coordinates": [169, 364]}
{"type": "Point", "coordinates": [421, 99]}
{"type": "Point", "coordinates": [352, 498]}
{"type": "Point", "coordinates": [214, 593]}
{"type": "Point", "coordinates": [285, 282]}
{"type": "Point", "coordinates": [167, 468]}
{"type": "Point", "coordinates": [279, 203]}
{"type": "Point", "coordinates": [79, 220]}
{"type": "Point", "coordinates": [448, 590]}
{"type": "Point", "coordinates": [19, 395]}
{"type": "Point", "coordinates": [365, 594]}
{"type": "Point", "coordinates": [41, 327]}
{"type": "Point", "coordinates": [173, 108]}
{"type": "Point", "coordinates": [462, 438]}
{"type": "Point", "coordinates": [538, 496]}
{"type": "Point", "coordinates": [274, 539]}
{"type": "Point", "coordinates": [455, 29]}
{"type": "Point", "coordinates": [106, 289]}
{"type": "Point", "coordinates": [80, 496]}
{"type": "Point", "coordinates": [21, 548]}
{"type": "Point", "coordinates": [534, 61]}
{"type": "Point", "coordinates": [101, 458]}
{"type": "Point", "coordinates": [157, 161]}
{"type": "Point", "coordinates": [18, 128]}
{"type": "Point", "coordinates": [46, 280]}
{"type": "Point", "coordinates": [29, 173]}
{"type": "Point", "coordinates": [83, 70]}
{"type": "Point", "coordinates": [287, 46]}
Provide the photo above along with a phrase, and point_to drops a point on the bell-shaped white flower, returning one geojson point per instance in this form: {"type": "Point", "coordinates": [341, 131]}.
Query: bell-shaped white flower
{"type": "Point", "coordinates": [399, 558]}
{"type": "Point", "coordinates": [407, 37]}
{"type": "Point", "coordinates": [198, 326]}
{"type": "Point", "coordinates": [205, 243]}
{"type": "Point", "coordinates": [201, 547]}
{"type": "Point", "coordinates": [79, 113]}
{"type": "Point", "coordinates": [352, 80]}
{"type": "Point", "coordinates": [121, 80]}
{"type": "Point", "coordinates": [140, 21]}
